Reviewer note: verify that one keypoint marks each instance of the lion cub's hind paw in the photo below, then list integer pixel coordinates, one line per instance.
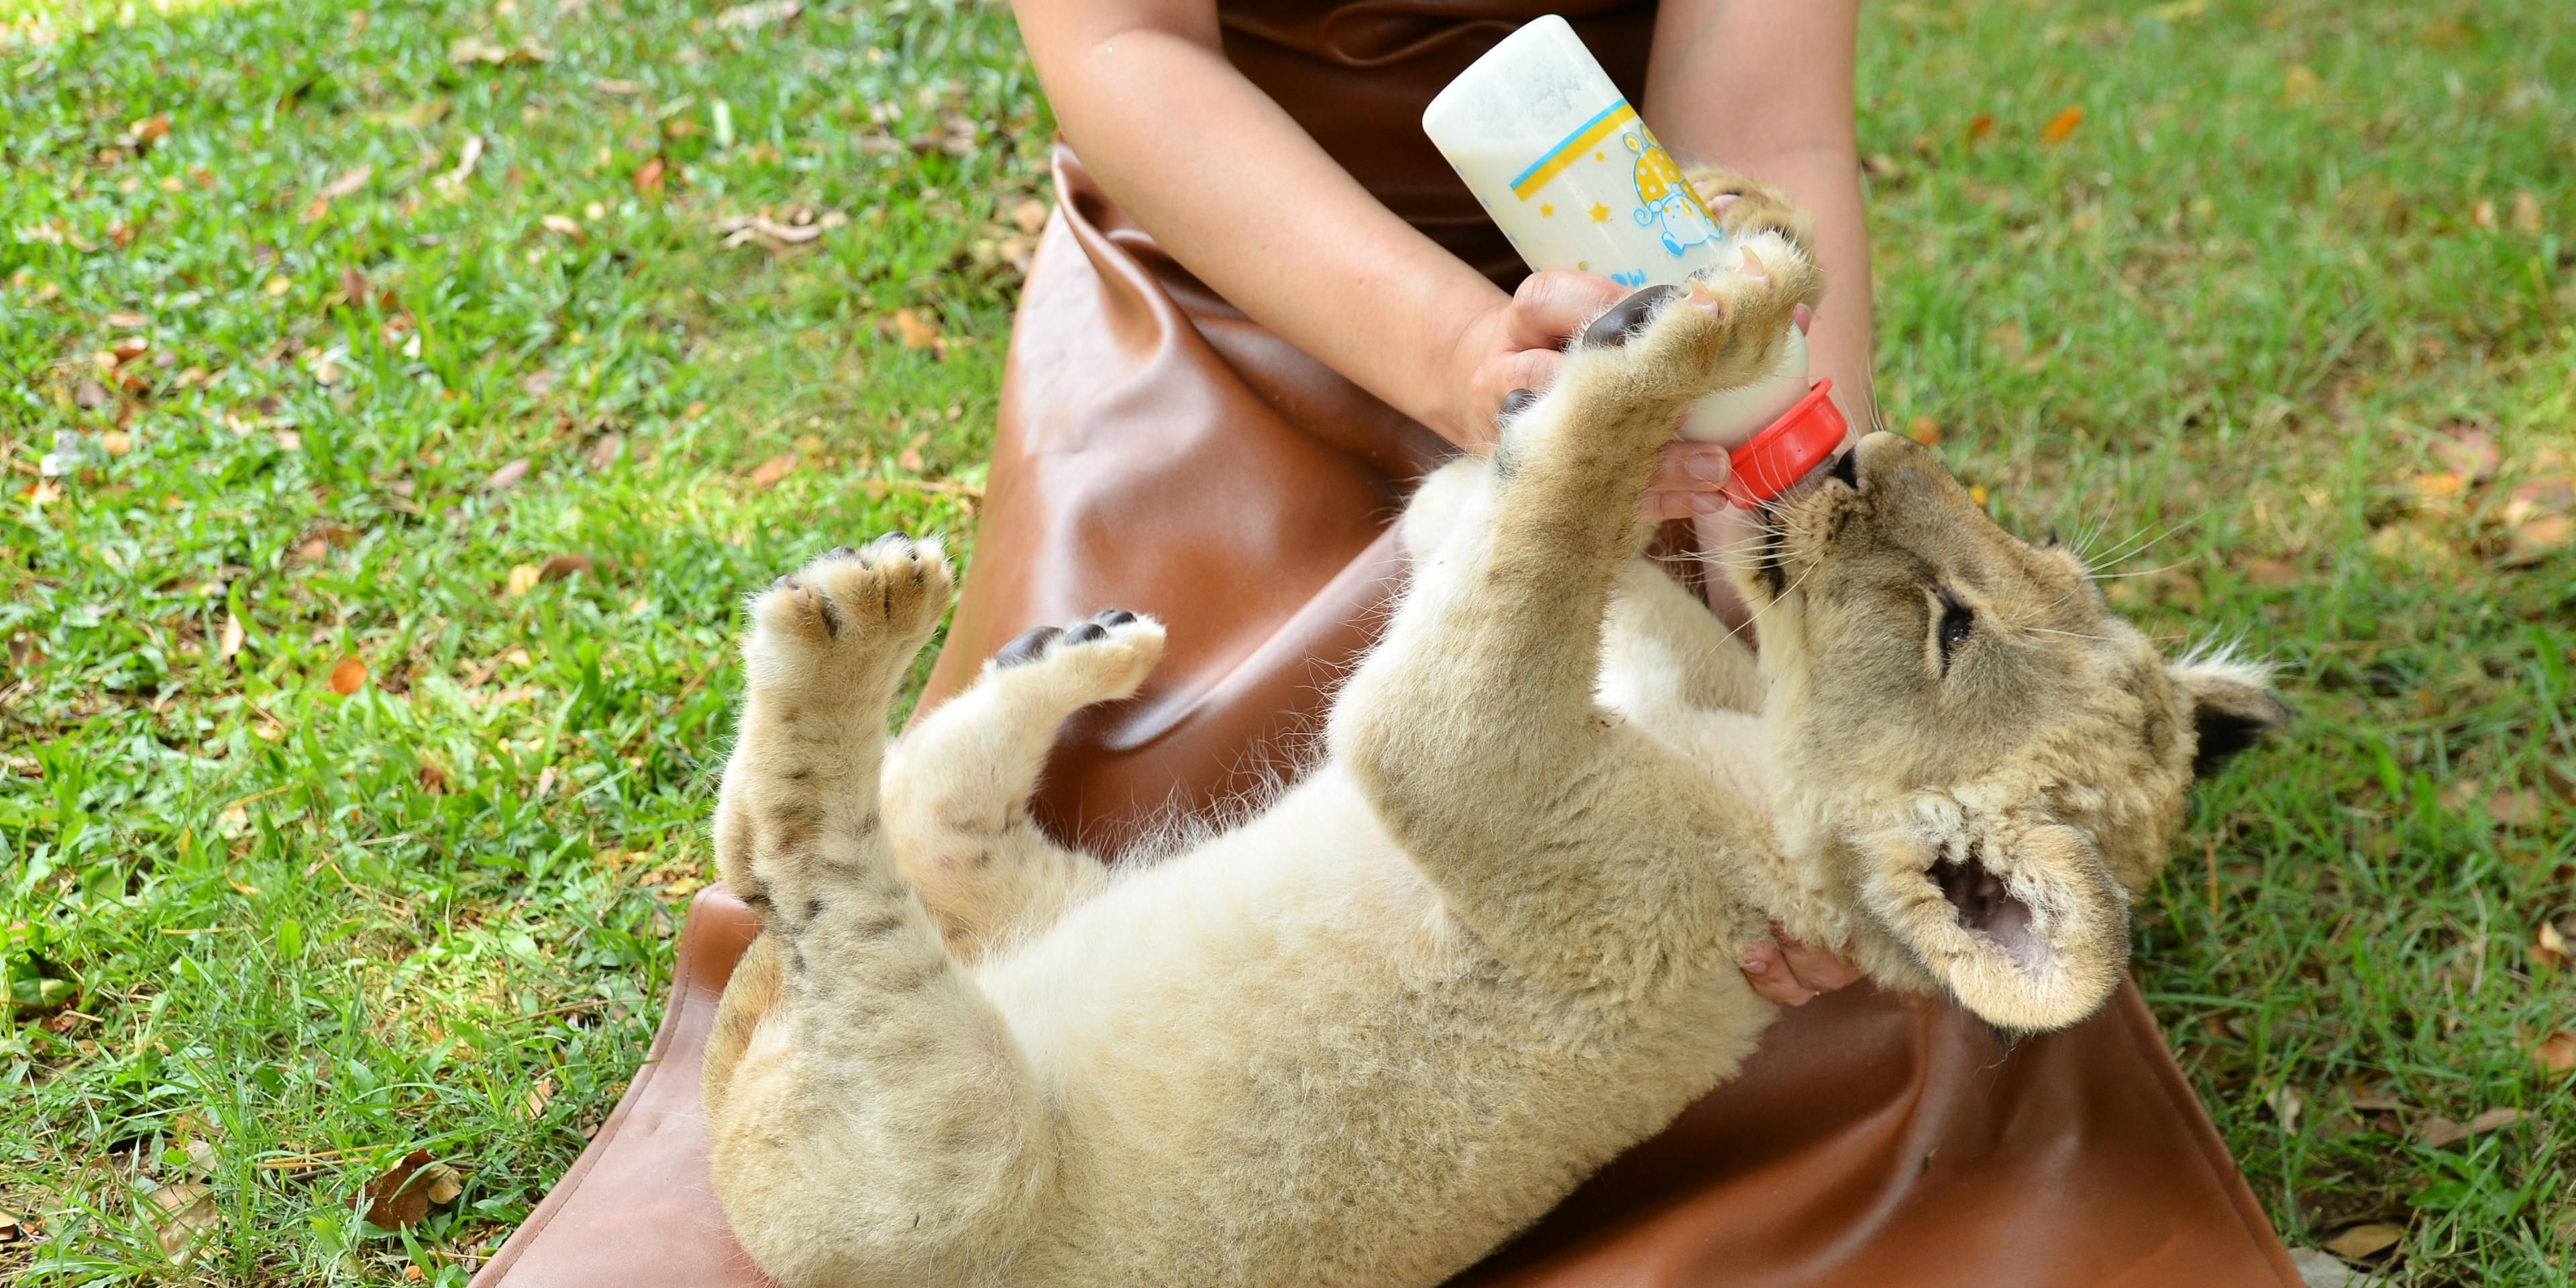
(851, 616)
(1102, 658)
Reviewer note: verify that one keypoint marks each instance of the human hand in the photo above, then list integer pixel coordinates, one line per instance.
(1791, 973)
(1510, 354)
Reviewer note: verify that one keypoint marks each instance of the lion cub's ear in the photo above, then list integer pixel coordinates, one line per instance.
(2232, 704)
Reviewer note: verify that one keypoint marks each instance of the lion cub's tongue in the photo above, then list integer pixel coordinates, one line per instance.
(1793, 446)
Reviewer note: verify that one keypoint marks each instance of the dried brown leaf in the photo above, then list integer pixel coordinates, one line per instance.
(2273, 572)
(648, 178)
(1029, 216)
(2526, 216)
(348, 675)
(124, 321)
(1981, 127)
(2555, 1053)
(603, 453)
(443, 1183)
(2061, 127)
(232, 638)
(759, 13)
(2519, 808)
(562, 226)
(507, 477)
(1925, 430)
(2468, 452)
(2535, 539)
(2286, 1105)
(2365, 1240)
(467, 50)
(914, 331)
(523, 578)
(466, 158)
(2500, 1116)
(399, 1198)
(347, 183)
(558, 567)
(181, 1212)
(769, 472)
(2438, 1131)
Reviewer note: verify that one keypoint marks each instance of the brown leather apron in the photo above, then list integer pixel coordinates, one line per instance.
(1160, 452)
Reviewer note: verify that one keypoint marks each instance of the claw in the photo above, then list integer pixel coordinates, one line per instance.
(1114, 617)
(1611, 329)
(1086, 633)
(1027, 645)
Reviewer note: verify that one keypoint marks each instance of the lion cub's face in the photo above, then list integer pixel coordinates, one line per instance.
(1988, 762)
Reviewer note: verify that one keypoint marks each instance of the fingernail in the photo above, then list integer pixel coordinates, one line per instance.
(1704, 503)
(1707, 467)
(1518, 401)
(1724, 199)
(1754, 964)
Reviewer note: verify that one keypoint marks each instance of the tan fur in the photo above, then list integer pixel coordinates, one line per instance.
(1492, 941)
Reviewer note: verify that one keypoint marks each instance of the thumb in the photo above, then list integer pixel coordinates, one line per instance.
(1552, 305)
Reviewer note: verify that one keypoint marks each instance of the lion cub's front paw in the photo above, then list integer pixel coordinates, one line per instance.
(850, 619)
(1743, 206)
(1100, 659)
(1724, 330)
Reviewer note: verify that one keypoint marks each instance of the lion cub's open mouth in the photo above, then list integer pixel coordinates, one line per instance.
(1986, 908)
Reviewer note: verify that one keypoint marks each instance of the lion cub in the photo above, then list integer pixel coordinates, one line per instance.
(1492, 940)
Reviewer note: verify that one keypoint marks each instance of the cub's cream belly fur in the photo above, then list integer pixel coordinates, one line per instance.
(1367, 1034)
(1285, 1025)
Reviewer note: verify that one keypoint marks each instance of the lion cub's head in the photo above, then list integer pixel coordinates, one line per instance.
(1986, 760)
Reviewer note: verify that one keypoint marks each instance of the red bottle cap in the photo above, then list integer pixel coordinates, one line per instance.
(1784, 452)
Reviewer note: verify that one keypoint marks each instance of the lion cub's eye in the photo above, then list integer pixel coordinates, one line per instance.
(1951, 630)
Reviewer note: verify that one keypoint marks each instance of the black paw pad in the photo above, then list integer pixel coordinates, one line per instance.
(1027, 645)
(1086, 633)
(1611, 329)
(1518, 401)
(1113, 617)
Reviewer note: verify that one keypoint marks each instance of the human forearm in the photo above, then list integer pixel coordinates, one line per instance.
(1231, 187)
(1764, 87)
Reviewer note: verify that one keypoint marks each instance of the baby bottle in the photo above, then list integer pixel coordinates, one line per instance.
(1563, 165)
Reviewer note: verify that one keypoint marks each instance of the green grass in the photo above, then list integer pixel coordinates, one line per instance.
(268, 937)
